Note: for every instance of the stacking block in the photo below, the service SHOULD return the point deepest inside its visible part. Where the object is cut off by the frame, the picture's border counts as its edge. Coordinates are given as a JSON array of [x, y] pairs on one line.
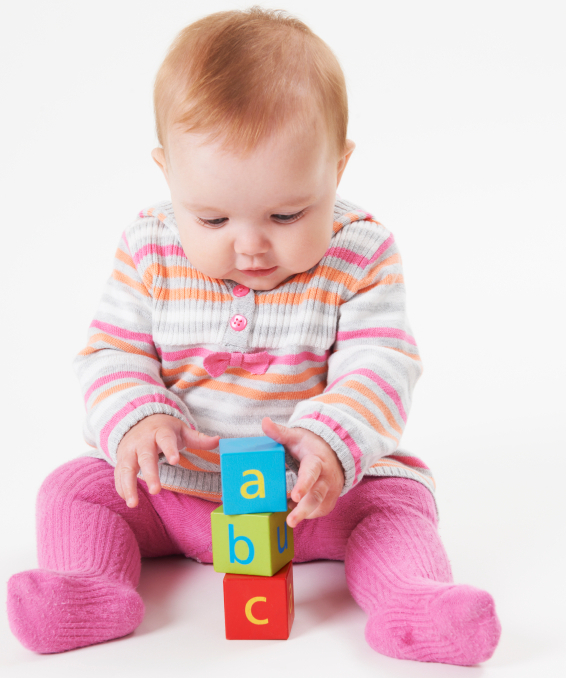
[[253, 475], [254, 543], [259, 607]]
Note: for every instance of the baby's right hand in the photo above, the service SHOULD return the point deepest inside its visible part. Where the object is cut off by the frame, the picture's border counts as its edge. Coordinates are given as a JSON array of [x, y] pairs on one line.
[[140, 448]]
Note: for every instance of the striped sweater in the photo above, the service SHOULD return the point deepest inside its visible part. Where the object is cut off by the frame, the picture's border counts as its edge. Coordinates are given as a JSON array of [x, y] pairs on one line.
[[329, 350]]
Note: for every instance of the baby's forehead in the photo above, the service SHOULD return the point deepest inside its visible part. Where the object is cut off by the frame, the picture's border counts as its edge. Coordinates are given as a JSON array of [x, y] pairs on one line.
[[304, 133]]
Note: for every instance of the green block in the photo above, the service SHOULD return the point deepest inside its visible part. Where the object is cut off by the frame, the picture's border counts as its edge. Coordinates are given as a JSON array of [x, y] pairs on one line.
[[252, 543]]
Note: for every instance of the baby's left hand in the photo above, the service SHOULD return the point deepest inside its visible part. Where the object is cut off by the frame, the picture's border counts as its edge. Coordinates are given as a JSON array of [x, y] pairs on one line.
[[321, 477]]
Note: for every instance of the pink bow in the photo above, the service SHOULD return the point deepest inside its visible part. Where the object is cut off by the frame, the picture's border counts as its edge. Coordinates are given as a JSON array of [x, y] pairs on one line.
[[256, 363]]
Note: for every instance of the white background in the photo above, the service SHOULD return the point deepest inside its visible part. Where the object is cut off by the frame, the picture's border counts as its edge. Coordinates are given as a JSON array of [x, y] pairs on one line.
[[458, 110]]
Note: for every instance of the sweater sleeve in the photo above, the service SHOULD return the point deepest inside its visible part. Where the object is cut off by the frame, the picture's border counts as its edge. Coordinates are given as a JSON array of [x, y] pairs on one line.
[[120, 368], [372, 369]]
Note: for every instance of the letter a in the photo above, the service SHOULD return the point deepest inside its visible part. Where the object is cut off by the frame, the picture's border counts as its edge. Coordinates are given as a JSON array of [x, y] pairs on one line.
[[260, 482], [279, 547], [232, 544]]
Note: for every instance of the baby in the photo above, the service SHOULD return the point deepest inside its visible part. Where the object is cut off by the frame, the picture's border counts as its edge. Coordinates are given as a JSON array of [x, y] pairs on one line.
[[255, 302]]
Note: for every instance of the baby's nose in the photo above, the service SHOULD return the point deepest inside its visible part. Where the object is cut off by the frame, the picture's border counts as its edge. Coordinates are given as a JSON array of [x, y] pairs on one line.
[[251, 242]]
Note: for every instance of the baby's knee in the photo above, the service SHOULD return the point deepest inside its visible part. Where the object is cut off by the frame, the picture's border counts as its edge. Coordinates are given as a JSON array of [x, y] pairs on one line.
[[393, 495], [83, 478]]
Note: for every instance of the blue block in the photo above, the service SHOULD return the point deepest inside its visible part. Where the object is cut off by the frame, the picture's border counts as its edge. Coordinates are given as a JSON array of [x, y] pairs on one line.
[[253, 475]]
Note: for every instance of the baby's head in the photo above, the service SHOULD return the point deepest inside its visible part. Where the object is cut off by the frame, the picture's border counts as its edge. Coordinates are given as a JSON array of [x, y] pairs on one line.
[[252, 114]]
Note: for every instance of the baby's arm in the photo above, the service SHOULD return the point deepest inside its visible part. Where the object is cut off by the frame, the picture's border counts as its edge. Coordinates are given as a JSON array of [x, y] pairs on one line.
[[120, 369], [374, 364]]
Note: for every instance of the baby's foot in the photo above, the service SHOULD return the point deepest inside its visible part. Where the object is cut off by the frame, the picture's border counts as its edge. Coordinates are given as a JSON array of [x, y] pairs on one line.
[[53, 611], [457, 624]]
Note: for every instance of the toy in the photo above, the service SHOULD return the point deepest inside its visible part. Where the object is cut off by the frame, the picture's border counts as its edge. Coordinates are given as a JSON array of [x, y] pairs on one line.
[[253, 475], [259, 607], [251, 541]]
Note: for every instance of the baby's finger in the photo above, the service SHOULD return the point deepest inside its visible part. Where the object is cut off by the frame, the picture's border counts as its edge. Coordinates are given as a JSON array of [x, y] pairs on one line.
[[288, 437], [166, 440], [309, 472], [147, 459], [199, 440], [125, 475], [308, 504]]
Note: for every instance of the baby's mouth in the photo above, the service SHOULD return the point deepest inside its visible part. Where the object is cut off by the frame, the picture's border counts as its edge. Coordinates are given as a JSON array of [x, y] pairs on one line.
[[255, 272]]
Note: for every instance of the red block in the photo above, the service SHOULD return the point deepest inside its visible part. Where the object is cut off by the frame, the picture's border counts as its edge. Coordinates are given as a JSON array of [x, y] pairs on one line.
[[261, 608]]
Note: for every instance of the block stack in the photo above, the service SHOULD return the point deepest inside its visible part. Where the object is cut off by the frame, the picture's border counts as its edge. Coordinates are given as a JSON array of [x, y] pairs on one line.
[[251, 541]]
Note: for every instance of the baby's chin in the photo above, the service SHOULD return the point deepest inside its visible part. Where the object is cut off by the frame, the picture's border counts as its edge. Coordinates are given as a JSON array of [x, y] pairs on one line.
[[260, 283]]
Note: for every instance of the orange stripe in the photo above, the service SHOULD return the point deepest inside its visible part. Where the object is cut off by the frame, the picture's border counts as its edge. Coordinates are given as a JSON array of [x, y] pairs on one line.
[[252, 393], [120, 277], [330, 273], [390, 261], [118, 343], [337, 225], [126, 258], [207, 455], [410, 355], [360, 409], [185, 463], [114, 389], [193, 369], [179, 294], [176, 294], [392, 279], [373, 397], [319, 295]]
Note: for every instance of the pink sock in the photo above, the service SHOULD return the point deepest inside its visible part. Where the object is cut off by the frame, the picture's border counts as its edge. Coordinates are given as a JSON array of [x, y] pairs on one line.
[[85, 589], [398, 572]]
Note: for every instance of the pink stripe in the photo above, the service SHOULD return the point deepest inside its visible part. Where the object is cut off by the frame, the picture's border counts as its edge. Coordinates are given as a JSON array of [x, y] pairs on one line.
[[163, 250], [382, 248], [344, 435], [295, 359], [122, 333], [388, 332], [408, 461], [298, 358], [383, 385], [353, 258], [347, 255], [171, 356], [130, 407], [120, 375]]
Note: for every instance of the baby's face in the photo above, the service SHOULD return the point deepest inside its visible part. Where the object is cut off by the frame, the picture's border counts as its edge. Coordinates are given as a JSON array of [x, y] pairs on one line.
[[256, 219]]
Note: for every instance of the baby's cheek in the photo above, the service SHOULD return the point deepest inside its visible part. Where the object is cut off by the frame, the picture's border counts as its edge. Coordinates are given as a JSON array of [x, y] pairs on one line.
[[305, 249]]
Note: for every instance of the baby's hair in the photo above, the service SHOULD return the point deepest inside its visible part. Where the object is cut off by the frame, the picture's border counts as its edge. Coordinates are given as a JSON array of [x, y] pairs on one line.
[[243, 75]]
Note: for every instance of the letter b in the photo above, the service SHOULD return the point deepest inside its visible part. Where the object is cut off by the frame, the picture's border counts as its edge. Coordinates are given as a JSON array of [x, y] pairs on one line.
[[232, 545]]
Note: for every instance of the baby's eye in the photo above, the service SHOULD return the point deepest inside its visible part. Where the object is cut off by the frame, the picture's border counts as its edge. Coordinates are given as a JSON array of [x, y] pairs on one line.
[[288, 218], [213, 223]]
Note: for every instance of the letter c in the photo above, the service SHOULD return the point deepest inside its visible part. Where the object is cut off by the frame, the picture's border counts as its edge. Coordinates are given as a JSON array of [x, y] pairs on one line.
[[249, 613]]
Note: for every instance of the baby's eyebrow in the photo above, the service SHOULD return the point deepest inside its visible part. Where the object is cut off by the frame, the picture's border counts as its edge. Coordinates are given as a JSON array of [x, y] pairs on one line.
[[301, 201]]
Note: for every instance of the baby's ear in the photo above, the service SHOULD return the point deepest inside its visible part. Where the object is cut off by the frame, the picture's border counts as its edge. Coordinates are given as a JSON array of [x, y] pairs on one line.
[[343, 160], [158, 154]]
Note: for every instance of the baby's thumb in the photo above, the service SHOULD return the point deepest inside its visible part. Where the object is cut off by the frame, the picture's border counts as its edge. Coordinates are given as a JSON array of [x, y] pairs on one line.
[[288, 437]]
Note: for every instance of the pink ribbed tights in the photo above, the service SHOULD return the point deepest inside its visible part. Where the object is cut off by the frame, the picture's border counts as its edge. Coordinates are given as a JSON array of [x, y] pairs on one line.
[[90, 544]]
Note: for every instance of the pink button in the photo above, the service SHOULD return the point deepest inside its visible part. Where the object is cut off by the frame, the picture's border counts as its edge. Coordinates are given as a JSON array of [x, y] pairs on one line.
[[240, 290], [238, 322]]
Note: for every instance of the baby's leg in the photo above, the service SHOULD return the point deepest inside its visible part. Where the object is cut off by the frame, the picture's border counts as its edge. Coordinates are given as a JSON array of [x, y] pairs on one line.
[[89, 546], [398, 572]]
